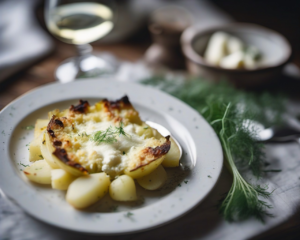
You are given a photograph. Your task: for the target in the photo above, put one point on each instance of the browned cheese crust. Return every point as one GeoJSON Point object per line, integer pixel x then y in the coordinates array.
{"type": "Point", "coordinates": [82, 107]}
{"type": "Point", "coordinates": [121, 110]}
{"type": "Point", "coordinates": [55, 126]}
{"type": "Point", "coordinates": [150, 154]}
{"type": "Point", "coordinates": [117, 111]}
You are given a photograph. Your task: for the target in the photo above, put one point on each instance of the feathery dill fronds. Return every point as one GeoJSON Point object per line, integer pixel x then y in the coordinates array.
{"type": "Point", "coordinates": [227, 110]}
{"type": "Point", "coordinates": [109, 135]}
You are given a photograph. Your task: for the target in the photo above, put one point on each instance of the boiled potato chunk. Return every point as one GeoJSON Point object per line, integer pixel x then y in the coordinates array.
{"type": "Point", "coordinates": [173, 156]}
{"type": "Point", "coordinates": [46, 154]}
{"type": "Point", "coordinates": [144, 170]}
{"type": "Point", "coordinates": [60, 179]}
{"type": "Point", "coordinates": [123, 189]}
{"type": "Point", "coordinates": [40, 126]}
{"type": "Point", "coordinates": [39, 172]}
{"type": "Point", "coordinates": [86, 190]}
{"type": "Point", "coordinates": [34, 150]}
{"type": "Point", "coordinates": [154, 180]}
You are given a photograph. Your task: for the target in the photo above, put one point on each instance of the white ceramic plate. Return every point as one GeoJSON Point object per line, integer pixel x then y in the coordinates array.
{"type": "Point", "coordinates": [188, 186]}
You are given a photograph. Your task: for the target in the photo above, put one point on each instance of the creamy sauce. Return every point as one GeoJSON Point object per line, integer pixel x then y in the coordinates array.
{"type": "Point", "coordinates": [110, 158]}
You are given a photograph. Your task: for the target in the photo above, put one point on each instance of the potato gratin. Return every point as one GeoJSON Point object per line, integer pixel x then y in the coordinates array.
{"type": "Point", "coordinates": [91, 150]}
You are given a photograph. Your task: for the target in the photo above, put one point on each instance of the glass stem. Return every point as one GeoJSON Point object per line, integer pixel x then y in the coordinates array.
{"type": "Point", "coordinates": [84, 49]}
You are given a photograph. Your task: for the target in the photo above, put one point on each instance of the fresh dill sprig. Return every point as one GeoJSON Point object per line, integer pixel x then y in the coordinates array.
{"type": "Point", "coordinates": [109, 135]}
{"type": "Point", "coordinates": [120, 130]}
{"type": "Point", "coordinates": [227, 109]}
{"type": "Point", "coordinates": [242, 199]}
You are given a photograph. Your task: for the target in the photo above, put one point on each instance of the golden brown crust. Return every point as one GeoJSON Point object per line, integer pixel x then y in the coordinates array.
{"type": "Point", "coordinates": [61, 153]}
{"type": "Point", "coordinates": [60, 130]}
{"type": "Point", "coordinates": [118, 104]}
{"type": "Point", "coordinates": [150, 154]}
{"type": "Point", "coordinates": [121, 110]}
{"type": "Point", "coordinates": [82, 107]}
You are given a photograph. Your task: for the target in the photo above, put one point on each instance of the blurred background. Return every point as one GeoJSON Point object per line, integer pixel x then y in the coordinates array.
{"type": "Point", "coordinates": [30, 54]}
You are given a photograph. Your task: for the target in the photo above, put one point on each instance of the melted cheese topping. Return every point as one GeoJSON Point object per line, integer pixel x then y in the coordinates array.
{"type": "Point", "coordinates": [77, 130]}
{"type": "Point", "coordinates": [110, 158]}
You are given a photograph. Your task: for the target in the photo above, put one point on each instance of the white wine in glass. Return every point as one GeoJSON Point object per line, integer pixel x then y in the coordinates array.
{"type": "Point", "coordinates": [79, 23]}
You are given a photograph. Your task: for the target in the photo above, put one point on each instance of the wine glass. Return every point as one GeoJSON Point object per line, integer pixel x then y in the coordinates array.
{"type": "Point", "coordinates": [80, 23]}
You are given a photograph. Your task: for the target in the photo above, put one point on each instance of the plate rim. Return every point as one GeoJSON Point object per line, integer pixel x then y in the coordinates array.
{"type": "Point", "coordinates": [90, 82]}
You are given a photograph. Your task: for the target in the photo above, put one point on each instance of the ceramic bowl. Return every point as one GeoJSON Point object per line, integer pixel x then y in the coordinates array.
{"type": "Point", "coordinates": [275, 49]}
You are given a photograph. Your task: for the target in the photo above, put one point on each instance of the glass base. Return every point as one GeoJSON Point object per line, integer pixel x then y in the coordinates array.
{"type": "Point", "coordinates": [87, 66]}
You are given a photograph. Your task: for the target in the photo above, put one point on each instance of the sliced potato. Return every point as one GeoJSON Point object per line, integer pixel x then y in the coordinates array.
{"type": "Point", "coordinates": [145, 159]}
{"type": "Point", "coordinates": [70, 169]}
{"type": "Point", "coordinates": [40, 126]}
{"type": "Point", "coordinates": [154, 180]}
{"type": "Point", "coordinates": [34, 150]}
{"type": "Point", "coordinates": [39, 172]}
{"type": "Point", "coordinates": [156, 134]}
{"type": "Point", "coordinates": [60, 179]}
{"type": "Point", "coordinates": [123, 189]}
{"type": "Point", "coordinates": [86, 190]}
{"type": "Point", "coordinates": [46, 154]}
{"type": "Point", "coordinates": [145, 130]}
{"type": "Point", "coordinates": [144, 170]}
{"type": "Point", "coordinates": [173, 156]}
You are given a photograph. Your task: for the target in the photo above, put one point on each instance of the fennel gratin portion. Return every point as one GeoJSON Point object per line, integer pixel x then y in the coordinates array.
{"type": "Point", "coordinates": [90, 150]}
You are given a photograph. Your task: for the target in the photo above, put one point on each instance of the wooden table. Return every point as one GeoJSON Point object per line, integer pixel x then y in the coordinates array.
{"type": "Point", "coordinates": [43, 71]}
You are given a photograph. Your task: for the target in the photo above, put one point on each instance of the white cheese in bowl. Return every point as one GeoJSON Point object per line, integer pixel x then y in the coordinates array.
{"type": "Point", "coordinates": [230, 52]}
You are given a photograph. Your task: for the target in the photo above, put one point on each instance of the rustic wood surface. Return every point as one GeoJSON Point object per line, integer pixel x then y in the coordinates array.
{"type": "Point", "coordinates": [43, 71]}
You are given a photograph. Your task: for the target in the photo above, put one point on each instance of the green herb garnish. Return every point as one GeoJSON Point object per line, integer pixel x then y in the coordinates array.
{"type": "Point", "coordinates": [24, 165]}
{"type": "Point", "coordinates": [242, 199]}
{"type": "Point", "coordinates": [109, 135]}
{"type": "Point", "coordinates": [30, 127]}
{"type": "Point", "coordinates": [227, 109]}
{"type": "Point", "coordinates": [128, 214]}
{"type": "Point", "coordinates": [41, 156]}
{"type": "Point", "coordinates": [114, 208]}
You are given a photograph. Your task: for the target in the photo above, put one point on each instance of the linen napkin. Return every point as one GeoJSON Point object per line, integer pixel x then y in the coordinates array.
{"type": "Point", "coordinates": [22, 40]}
